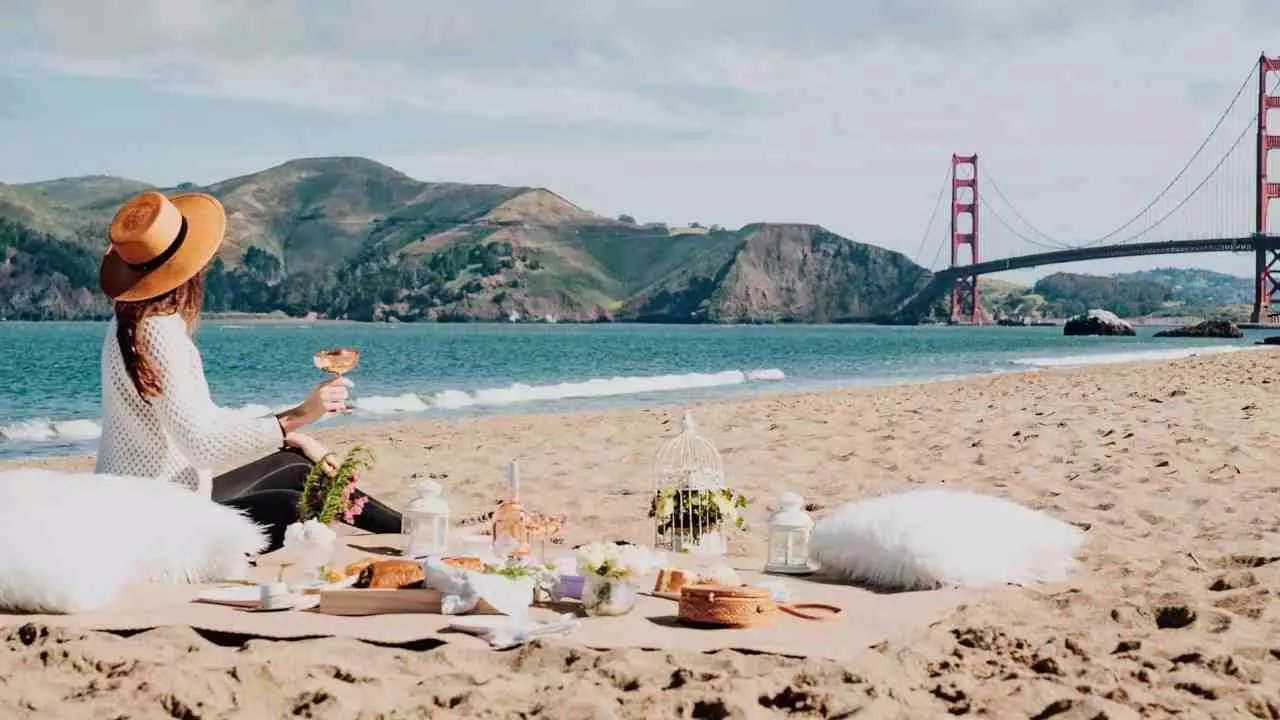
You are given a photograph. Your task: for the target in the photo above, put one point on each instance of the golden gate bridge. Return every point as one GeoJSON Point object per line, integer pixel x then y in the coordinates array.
{"type": "Point", "coordinates": [1216, 202]}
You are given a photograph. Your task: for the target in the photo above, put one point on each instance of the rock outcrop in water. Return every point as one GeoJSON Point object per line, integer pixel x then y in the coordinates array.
{"type": "Point", "coordinates": [1206, 329]}
{"type": "Point", "coordinates": [1097, 322]}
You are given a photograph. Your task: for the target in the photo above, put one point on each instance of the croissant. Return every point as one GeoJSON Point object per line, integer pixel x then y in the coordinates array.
{"type": "Point", "coordinates": [358, 566]}
{"type": "Point", "coordinates": [390, 574]}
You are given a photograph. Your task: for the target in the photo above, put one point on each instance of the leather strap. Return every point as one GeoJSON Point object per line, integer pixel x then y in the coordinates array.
{"type": "Point", "coordinates": [830, 612]}
{"type": "Point", "coordinates": [163, 257]}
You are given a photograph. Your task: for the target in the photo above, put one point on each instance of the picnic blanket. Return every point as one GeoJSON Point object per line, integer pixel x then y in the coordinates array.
{"type": "Point", "coordinates": [868, 617]}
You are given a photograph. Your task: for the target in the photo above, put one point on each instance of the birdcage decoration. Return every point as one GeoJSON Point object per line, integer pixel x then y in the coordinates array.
{"type": "Point", "coordinates": [691, 507]}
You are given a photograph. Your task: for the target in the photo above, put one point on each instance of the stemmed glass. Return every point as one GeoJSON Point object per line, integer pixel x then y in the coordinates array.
{"type": "Point", "coordinates": [338, 361]}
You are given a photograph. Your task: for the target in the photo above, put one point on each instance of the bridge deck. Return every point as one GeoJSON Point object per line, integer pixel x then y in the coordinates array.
{"type": "Point", "coordinates": [1173, 247]}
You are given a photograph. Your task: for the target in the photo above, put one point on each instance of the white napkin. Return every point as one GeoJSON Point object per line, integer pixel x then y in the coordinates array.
{"type": "Point", "coordinates": [461, 590]}
{"type": "Point", "coordinates": [503, 633]}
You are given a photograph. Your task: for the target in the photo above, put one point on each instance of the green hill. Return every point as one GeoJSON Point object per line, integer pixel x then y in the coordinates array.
{"type": "Point", "coordinates": [1199, 288]}
{"type": "Point", "coordinates": [1171, 292]}
{"type": "Point", "coordinates": [349, 237]}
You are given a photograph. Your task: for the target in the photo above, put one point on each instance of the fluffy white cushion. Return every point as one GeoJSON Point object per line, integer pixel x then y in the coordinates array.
{"type": "Point", "coordinates": [934, 537]}
{"type": "Point", "coordinates": [70, 541]}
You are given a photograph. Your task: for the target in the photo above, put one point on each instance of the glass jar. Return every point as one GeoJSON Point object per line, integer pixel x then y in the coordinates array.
{"type": "Point", "coordinates": [425, 522]}
{"type": "Point", "coordinates": [608, 596]}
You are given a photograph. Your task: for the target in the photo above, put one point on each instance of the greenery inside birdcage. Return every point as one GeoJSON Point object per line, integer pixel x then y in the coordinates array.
{"type": "Point", "coordinates": [690, 512]}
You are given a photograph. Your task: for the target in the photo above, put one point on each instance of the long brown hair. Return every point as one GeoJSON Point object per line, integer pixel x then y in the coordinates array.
{"type": "Point", "coordinates": [184, 300]}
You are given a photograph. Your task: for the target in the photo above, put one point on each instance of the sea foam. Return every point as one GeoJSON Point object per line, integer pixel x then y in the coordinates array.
{"type": "Point", "coordinates": [45, 430]}
{"type": "Point", "coordinates": [1111, 358]}
{"type": "Point", "coordinates": [518, 393]}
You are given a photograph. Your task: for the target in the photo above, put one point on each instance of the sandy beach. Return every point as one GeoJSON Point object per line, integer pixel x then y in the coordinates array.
{"type": "Point", "coordinates": [1173, 611]}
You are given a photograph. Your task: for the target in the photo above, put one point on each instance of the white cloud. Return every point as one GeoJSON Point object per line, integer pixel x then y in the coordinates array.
{"type": "Point", "coordinates": [843, 113]}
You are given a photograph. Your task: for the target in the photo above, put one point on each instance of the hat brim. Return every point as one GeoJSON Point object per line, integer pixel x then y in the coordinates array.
{"type": "Point", "coordinates": [206, 224]}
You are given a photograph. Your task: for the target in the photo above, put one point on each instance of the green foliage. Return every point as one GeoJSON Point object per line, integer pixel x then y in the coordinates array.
{"type": "Point", "coordinates": [46, 278]}
{"type": "Point", "coordinates": [1068, 294]}
{"type": "Point", "coordinates": [692, 512]}
{"type": "Point", "coordinates": [327, 497]}
{"type": "Point", "coordinates": [1199, 288]}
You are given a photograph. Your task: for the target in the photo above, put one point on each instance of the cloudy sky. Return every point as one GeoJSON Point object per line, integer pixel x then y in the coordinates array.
{"type": "Point", "coordinates": [843, 113]}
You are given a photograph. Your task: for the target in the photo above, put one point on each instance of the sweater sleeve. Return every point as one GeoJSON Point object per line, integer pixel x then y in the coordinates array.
{"type": "Point", "coordinates": [204, 432]}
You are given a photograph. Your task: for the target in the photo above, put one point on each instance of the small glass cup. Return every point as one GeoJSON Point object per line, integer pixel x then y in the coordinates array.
{"type": "Point", "coordinates": [338, 362]}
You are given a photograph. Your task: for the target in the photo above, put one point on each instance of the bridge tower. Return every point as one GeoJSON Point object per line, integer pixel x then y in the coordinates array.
{"type": "Point", "coordinates": [966, 306]}
{"type": "Point", "coordinates": [1266, 250]}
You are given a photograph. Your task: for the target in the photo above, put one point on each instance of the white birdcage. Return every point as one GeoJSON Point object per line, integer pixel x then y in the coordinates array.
{"type": "Point", "coordinates": [688, 477]}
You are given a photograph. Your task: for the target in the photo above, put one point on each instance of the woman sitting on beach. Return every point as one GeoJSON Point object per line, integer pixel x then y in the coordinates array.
{"type": "Point", "coordinates": [158, 418]}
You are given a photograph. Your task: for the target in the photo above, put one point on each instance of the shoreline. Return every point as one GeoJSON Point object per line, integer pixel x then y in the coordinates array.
{"type": "Point", "coordinates": [734, 393]}
{"type": "Point", "coordinates": [282, 318]}
{"type": "Point", "coordinates": [1168, 465]}
{"type": "Point", "coordinates": [731, 393]}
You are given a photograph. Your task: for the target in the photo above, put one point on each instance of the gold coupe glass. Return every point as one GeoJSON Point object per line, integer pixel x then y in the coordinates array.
{"type": "Point", "coordinates": [338, 361]}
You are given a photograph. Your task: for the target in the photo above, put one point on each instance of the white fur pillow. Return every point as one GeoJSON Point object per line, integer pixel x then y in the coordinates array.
{"type": "Point", "coordinates": [71, 541]}
{"type": "Point", "coordinates": [934, 537]}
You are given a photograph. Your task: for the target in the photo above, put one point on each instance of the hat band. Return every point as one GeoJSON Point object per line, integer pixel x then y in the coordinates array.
{"type": "Point", "coordinates": [163, 257]}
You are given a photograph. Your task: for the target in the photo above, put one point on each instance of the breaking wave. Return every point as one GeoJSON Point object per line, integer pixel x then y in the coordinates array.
{"type": "Point", "coordinates": [1130, 356]}
{"type": "Point", "coordinates": [40, 430]}
{"type": "Point", "coordinates": [518, 393]}
{"type": "Point", "coordinates": [45, 430]}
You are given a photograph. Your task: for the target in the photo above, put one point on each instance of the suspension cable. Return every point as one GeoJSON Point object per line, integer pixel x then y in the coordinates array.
{"type": "Point", "coordinates": [1234, 146]}
{"type": "Point", "coordinates": [996, 186]}
{"type": "Point", "coordinates": [1169, 186]}
{"type": "Point", "coordinates": [1000, 219]}
{"type": "Point", "coordinates": [937, 203]}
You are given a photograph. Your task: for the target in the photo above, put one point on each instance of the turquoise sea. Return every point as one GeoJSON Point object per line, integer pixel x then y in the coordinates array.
{"type": "Point", "coordinates": [49, 382]}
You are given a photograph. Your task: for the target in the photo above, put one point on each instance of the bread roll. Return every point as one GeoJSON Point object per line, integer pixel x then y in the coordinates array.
{"type": "Point", "coordinates": [670, 580]}
{"type": "Point", "coordinates": [391, 574]}
{"type": "Point", "coordinates": [467, 563]}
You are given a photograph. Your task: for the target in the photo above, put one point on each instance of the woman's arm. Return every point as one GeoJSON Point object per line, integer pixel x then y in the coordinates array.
{"type": "Point", "coordinates": [328, 397]}
{"type": "Point", "coordinates": [205, 433]}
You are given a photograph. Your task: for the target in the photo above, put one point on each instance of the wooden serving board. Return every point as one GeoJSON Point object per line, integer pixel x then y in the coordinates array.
{"type": "Point", "coordinates": [387, 601]}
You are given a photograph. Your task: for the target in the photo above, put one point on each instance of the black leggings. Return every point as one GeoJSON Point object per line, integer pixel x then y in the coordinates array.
{"type": "Point", "coordinates": [269, 490]}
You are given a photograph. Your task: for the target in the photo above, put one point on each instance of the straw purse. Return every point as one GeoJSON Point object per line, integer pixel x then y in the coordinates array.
{"type": "Point", "coordinates": [740, 606]}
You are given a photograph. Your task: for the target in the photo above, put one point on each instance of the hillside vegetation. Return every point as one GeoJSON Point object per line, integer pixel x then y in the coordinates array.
{"type": "Point", "coordinates": [351, 238]}
{"type": "Point", "coordinates": [1166, 292]}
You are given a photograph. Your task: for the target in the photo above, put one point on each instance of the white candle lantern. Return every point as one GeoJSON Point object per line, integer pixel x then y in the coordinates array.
{"type": "Point", "coordinates": [425, 523]}
{"type": "Point", "coordinates": [789, 530]}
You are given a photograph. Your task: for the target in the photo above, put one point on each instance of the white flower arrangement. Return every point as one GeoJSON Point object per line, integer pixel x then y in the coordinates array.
{"type": "Point", "coordinates": [310, 532]}
{"type": "Point", "coordinates": [617, 561]}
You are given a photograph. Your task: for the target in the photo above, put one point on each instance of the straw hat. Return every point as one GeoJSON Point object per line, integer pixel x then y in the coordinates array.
{"type": "Point", "coordinates": [158, 243]}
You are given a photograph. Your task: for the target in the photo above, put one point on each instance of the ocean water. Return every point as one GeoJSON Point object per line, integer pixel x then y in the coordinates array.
{"type": "Point", "coordinates": [49, 382]}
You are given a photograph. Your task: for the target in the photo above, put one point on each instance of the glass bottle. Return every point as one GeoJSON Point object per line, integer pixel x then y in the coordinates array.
{"type": "Point", "coordinates": [510, 531]}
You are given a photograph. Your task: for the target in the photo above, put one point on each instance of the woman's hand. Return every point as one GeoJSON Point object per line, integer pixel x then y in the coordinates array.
{"type": "Point", "coordinates": [329, 396]}
{"type": "Point", "coordinates": [311, 448]}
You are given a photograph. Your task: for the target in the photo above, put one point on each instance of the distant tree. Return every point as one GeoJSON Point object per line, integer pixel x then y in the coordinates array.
{"type": "Point", "coordinates": [262, 265]}
{"type": "Point", "coordinates": [626, 219]}
{"type": "Point", "coordinates": [695, 225]}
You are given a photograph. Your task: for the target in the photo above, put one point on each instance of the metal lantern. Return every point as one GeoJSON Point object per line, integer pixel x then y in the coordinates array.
{"type": "Point", "coordinates": [688, 477]}
{"type": "Point", "coordinates": [425, 523]}
{"type": "Point", "coordinates": [789, 530]}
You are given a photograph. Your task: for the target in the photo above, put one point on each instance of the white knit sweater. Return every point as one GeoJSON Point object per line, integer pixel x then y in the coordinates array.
{"type": "Point", "coordinates": [180, 435]}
